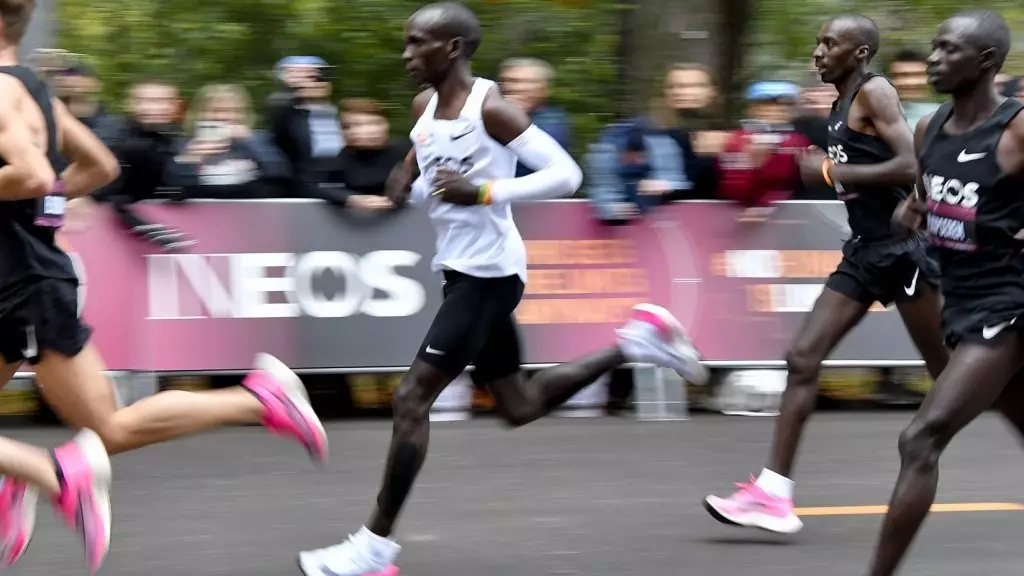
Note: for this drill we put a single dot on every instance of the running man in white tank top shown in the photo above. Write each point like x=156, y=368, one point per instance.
x=468, y=140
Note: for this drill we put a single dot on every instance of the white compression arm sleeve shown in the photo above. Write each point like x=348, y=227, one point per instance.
x=557, y=174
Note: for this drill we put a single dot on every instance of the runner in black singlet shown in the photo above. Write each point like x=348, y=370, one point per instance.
x=870, y=163
x=40, y=326
x=971, y=154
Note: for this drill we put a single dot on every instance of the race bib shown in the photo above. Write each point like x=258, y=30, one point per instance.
x=50, y=209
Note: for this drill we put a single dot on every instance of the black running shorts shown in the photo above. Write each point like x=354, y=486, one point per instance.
x=475, y=325
x=886, y=271
x=986, y=321
x=41, y=315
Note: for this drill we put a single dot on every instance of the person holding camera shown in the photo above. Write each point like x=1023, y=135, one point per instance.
x=758, y=165
x=225, y=158
x=304, y=123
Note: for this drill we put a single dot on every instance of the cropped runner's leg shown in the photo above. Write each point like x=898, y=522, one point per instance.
x=975, y=377
x=83, y=396
x=914, y=288
x=923, y=319
x=767, y=501
x=73, y=383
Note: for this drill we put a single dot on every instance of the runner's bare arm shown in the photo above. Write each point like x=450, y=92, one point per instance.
x=28, y=173
x=920, y=192
x=909, y=214
x=881, y=102
x=556, y=173
x=1010, y=150
x=93, y=165
x=402, y=177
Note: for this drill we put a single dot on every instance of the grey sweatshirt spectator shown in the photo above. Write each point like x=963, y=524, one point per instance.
x=224, y=158
x=526, y=82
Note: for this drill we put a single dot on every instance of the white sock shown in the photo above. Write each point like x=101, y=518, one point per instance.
x=775, y=484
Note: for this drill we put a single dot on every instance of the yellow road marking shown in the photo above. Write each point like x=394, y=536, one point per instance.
x=875, y=510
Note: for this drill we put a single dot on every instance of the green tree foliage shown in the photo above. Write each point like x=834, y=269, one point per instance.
x=194, y=42
x=785, y=31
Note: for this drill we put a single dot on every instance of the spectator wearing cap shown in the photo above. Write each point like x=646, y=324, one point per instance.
x=758, y=165
x=526, y=82
x=811, y=120
x=304, y=123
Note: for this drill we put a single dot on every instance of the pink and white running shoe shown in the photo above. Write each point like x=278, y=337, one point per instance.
x=84, y=498
x=289, y=412
x=654, y=336
x=752, y=507
x=18, y=502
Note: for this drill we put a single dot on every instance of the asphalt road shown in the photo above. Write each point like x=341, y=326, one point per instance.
x=598, y=497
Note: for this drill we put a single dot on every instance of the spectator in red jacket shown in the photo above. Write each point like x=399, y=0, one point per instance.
x=758, y=165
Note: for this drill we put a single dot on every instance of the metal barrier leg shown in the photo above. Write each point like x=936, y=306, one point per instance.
x=659, y=395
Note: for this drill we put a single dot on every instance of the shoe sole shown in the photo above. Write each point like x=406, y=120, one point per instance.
x=718, y=515
x=390, y=571
x=700, y=375
x=30, y=502
x=293, y=386
x=99, y=463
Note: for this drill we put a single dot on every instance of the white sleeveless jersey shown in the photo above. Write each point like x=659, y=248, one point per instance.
x=480, y=241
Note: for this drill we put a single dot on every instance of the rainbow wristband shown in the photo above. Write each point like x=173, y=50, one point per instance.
x=485, y=194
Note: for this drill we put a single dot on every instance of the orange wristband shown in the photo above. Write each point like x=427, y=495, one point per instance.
x=485, y=193
x=826, y=165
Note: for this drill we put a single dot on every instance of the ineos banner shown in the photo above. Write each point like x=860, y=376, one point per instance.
x=321, y=288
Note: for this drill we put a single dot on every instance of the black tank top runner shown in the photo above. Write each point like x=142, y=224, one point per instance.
x=28, y=249
x=974, y=208
x=869, y=208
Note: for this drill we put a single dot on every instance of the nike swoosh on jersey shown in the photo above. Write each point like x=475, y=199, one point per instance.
x=466, y=133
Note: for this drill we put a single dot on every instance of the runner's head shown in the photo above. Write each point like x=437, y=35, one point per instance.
x=438, y=38
x=969, y=49
x=14, y=17
x=846, y=45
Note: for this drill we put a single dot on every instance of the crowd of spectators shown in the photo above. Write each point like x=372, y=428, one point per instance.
x=310, y=147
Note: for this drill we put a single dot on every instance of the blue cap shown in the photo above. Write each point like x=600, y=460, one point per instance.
x=300, y=61
x=772, y=90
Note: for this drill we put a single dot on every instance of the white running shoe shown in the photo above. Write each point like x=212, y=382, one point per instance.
x=363, y=554
x=654, y=336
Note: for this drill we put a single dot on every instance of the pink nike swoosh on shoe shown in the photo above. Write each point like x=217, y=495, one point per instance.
x=17, y=518
x=84, y=499
x=288, y=411
x=752, y=507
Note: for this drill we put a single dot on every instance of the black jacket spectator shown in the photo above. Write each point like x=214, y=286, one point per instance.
x=364, y=171
x=144, y=152
x=359, y=172
x=144, y=148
